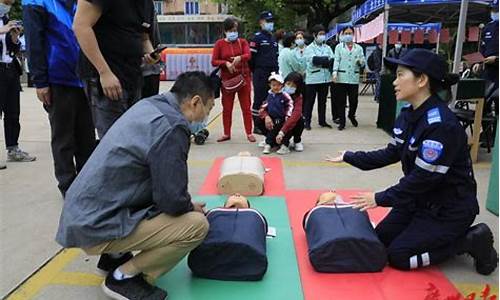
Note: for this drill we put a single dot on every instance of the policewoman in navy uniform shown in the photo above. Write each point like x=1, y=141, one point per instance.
x=434, y=204
x=264, y=61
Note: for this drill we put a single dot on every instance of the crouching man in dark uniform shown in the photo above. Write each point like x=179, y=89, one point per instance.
x=132, y=194
x=434, y=204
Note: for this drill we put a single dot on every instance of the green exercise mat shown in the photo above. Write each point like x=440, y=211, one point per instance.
x=281, y=282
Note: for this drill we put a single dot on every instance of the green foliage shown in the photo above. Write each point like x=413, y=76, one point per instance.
x=16, y=12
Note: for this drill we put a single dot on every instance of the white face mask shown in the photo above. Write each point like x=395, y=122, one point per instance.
x=4, y=9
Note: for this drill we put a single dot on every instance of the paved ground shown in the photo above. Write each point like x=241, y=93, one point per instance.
x=30, y=203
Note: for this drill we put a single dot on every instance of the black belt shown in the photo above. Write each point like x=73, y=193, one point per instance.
x=343, y=71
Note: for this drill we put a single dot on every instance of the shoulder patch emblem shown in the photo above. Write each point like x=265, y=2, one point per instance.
x=433, y=116
x=431, y=150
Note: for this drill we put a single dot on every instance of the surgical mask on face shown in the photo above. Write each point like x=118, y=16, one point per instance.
x=4, y=9
x=268, y=26
x=398, y=46
x=347, y=38
x=299, y=42
x=232, y=35
x=494, y=16
x=289, y=90
x=320, y=39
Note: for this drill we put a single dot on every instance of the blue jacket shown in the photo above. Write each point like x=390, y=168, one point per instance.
x=432, y=148
x=264, y=50
x=52, y=47
x=489, y=47
x=278, y=106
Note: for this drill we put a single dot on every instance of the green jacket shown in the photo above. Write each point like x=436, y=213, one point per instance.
x=345, y=66
x=314, y=74
x=290, y=61
x=300, y=60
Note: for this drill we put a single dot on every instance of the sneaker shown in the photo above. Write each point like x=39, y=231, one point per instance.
x=107, y=263
x=291, y=146
x=325, y=125
x=17, y=155
x=479, y=244
x=283, y=150
x=267, y=149
x=299, y=147
x=262, y=144
x=131, y=289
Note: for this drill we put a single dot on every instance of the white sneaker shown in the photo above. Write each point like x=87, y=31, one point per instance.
x=262, y=144
x=283, y=150
x=3, y=159
x=299, y=147
x=267, y=149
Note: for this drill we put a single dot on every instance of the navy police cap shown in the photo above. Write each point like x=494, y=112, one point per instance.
x=423, y=61
x=266, y=15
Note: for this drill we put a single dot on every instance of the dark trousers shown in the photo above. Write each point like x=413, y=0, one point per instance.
x=295, y=133
x=270, y=134
x=151, y=86
x=104, y=110
x=344, y=90
x=260, y=90
x=417, y=239
x=72, y=130
x=10, y=110
x=321, y=90
x=333, y=101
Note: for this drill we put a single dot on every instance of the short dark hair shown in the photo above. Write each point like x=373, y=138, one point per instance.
x=189, y=84
x=317, y=28
x=348, y=27
x=280, y=34
x=437, y=86
x=229, y=23
x=288, y=40
x=298, y=80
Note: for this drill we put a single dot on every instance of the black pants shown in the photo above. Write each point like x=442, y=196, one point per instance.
x=104, y=110
x=333, y=101
x=72, y=130
x=270, y=134
x=344, y=90
x=417, y=239
x=151, y=86
x=295, y=133
x=10, y=110
x=321, y=90
x=260, y=91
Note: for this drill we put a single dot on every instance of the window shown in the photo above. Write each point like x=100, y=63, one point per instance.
x=172, y=33
x=216, y=32
x=158, y=7
x=197, y=33
x=191, y=8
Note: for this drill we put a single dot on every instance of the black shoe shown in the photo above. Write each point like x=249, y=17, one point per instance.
x=134, y=288
x=336, y=121
x=479, y=244
x=325, y=125
x=257, y=131
x=341, y=127
x=354, y=121
x=307, y=127
x=107, y=263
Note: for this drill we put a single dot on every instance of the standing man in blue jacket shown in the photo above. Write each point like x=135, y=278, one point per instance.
x=53, y=55
x=264, y=61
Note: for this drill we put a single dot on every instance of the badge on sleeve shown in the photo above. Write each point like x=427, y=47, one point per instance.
x=431, y=150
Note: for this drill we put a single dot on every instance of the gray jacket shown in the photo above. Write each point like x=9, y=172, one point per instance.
x=138, y=170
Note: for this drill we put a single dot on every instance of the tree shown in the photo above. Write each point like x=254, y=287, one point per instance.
x=289, y=13
x=16, y=12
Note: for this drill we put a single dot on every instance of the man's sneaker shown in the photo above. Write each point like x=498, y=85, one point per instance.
x=283, y=150
x=107, y=263
x=479, y=244
x=267, y=149
x=299, y=147
x=262, y=144
x=18, y=155
x=131, y=289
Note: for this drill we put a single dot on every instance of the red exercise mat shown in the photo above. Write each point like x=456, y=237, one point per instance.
x=274, y=181
x=386, y=285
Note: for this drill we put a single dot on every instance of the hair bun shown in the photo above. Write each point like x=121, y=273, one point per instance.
x=450, y=79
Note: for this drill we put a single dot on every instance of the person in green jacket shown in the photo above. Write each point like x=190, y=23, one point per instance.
x=319, y=59
x=348, y=64
x=286, y=58
x=299, y=50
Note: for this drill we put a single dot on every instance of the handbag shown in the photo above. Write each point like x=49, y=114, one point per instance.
x=237, y=82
